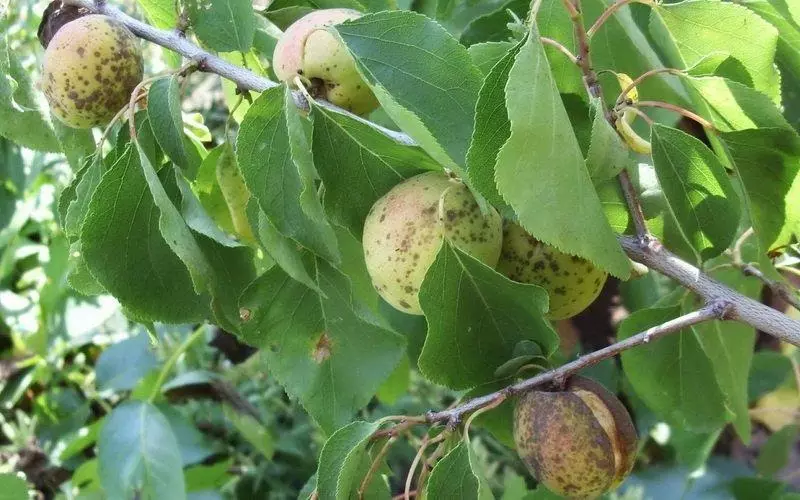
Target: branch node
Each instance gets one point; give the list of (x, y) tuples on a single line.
[(183, 24), (202, 62), (722, 309)]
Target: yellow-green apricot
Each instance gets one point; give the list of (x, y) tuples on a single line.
[(405, 228), (91, 66), (579, 442), (572, 283), (308, 50)]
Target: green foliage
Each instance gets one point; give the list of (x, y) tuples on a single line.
[(138, 275)]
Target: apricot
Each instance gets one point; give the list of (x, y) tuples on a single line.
[(405, 229), (579, 442), (572, 282), (307, 50), (91, 66)]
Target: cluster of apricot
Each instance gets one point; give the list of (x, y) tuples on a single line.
[(579, 441)]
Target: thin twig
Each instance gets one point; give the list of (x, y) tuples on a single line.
[(376, 464), (610, 10), (560, 48), (644, 76), (634, 206), (782, 290), (427, 441), (682, 111), (715, 310), (641, 114)]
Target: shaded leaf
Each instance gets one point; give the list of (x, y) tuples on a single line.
[(123, 215), (315, 345), (768, 164), (358, 165), (672, 376), (265, 152), (697, 189), (475, 318)]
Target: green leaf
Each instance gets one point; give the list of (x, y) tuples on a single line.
[(196, 217), (697, 189), (283, 250), (123, 215), (234, 192), (733, 106), (358, 165), (209, 192), (173, 227), (486, 55), (454, 476), (475, 319), (21, 117), (316, 346), (232, 271), (13, 487), (340, 459), (223, 25), (784, 16), (767, 162), (161, 13), (138, 454), (493, 27), (768, 371), (774, 454), (703, 28), (422, 76), (164, 110), (85, 184), (269, 148), (492, 129), (77, 144), (256, 433), (541, 173), (396, 386), (729, 347), (607, 155), (672, 376), (122, 365)]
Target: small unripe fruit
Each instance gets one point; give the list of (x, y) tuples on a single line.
[(91, 66), (306, 49), (579, 443), (404, 231), (572, 282)]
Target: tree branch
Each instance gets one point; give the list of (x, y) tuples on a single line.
[(209, 63), (653, 255), (644, 250), (780, 289), (714, 310)]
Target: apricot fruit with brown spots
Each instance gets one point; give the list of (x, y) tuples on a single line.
[(405, 229), (579, 442), (571, 282), (91, 66), (308, 50)]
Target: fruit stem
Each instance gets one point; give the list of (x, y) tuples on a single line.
[(610, 10)]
